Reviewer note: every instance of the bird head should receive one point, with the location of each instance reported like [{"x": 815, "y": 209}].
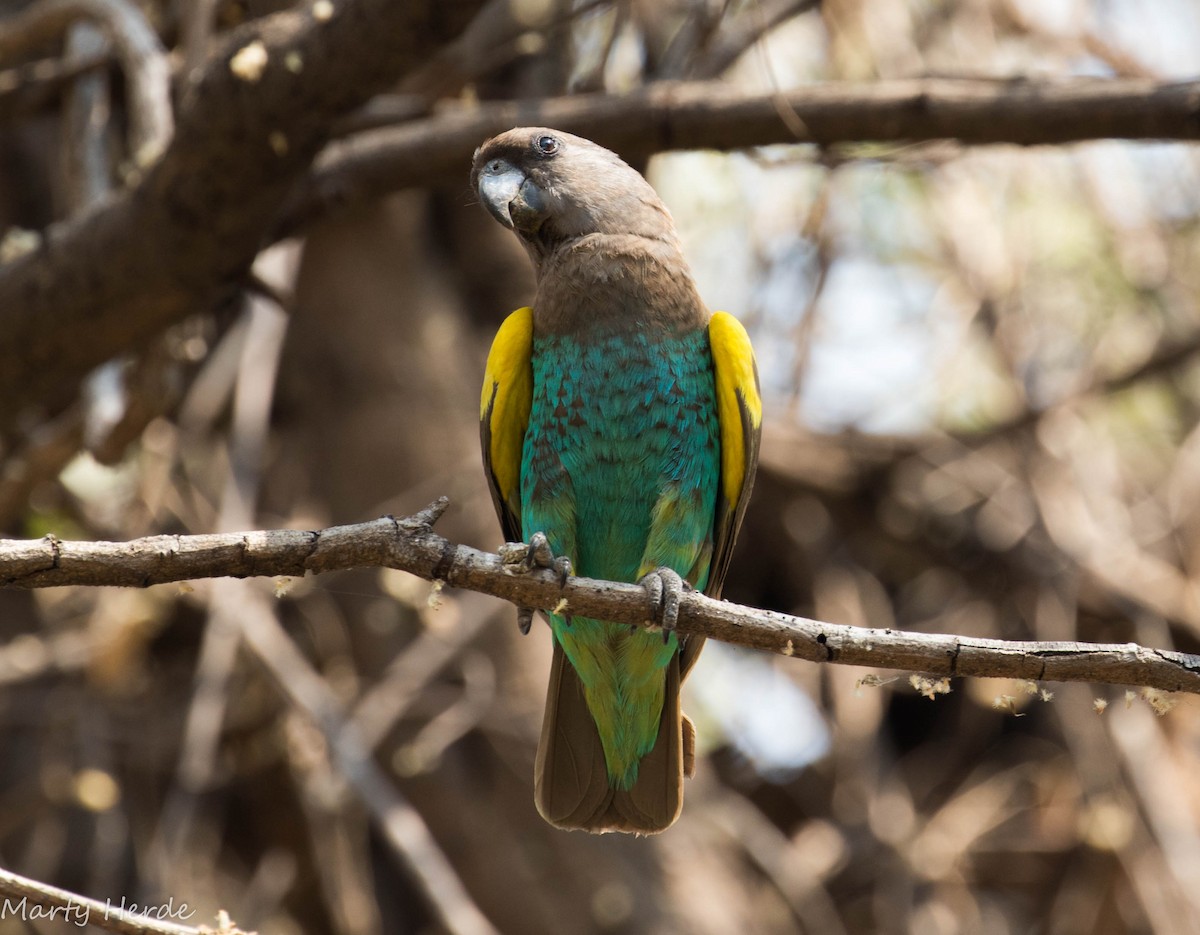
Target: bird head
[{"x": 552, "y": 187}]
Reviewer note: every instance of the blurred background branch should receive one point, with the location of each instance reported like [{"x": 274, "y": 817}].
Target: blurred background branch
[
  {"x": 714, "y": 115},
  {"x": 137, "y": 48}
]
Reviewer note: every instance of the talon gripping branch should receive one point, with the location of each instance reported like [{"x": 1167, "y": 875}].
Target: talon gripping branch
[{"x": 621, "y": 419}]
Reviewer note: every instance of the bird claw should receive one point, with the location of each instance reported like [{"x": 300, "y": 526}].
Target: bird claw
[
  {"x": 664, "y": 588},
  {"x": 524, "y": 557},
  {"x": 524, "y": 619}
]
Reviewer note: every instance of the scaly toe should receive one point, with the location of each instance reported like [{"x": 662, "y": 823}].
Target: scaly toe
[
  {"x": 540, "y": 554},
  {"x": 523, "y": 557},
  {"x": 664, "y": 590}
]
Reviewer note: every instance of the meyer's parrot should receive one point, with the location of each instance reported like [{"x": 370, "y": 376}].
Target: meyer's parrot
[{"x": 621, "y": 419}]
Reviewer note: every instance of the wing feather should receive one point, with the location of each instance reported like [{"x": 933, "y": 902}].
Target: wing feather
[
  {"x": 739, "y": 414},
  {"x": 504, "y": 415}
]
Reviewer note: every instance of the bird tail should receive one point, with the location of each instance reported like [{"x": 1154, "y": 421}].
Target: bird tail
[{"x": 572, "y": 788}]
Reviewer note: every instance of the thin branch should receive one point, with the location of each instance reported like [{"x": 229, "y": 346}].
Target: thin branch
[
  {"x": 411, "y": 545},
  {"x": 31, "y": 900},
  {"x": 28, "y": 88},
  {"x": 400, "y": 823},
  {"x": 494, "y": 39},
  {"x": 247, "y": 129},
  {"x": 87, "y": 169},
  {"x": 142, "y": 56},
  {"x": 196, "y": 30},
  {"x": 736, "y": 37},
  {"x": 381, "y": 706},
  {"x": 715, "y": 115},
  {"x": 42, "y": 455},
  {"x": 1168, "y": 357},
  {"x": 253, "y": 394}
]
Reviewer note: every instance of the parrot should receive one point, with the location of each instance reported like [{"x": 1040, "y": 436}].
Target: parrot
[{"x": 620, "y": 424}]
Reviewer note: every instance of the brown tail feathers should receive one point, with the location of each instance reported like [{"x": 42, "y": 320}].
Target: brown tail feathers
[{"x": 571, "y": 785}]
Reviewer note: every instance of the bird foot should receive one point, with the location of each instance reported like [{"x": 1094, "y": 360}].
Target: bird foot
[
  {"x": 664, "y": 588},
  {"x": 523, "y": 557}
]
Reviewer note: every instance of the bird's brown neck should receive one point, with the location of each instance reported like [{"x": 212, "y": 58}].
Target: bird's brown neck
[{"x": 601, "y": 281}]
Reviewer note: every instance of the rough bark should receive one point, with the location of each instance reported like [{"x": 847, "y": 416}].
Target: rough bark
[{"x": 411, "y": 545}]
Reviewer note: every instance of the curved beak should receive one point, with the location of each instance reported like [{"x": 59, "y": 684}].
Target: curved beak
[{"x": 511, "y": 196}]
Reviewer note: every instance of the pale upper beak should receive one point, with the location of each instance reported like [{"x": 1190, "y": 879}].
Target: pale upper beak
[{"x": 512, "y": 197}]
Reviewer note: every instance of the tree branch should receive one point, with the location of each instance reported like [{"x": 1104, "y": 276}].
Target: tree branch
[
  {"x": 1168, "y": 357},
  {"x": 32, "y": 900},
  {"x": 250, "y": 125},
  {"x": 28, "y": 88},
  {"x": 399, "y": 822},
  {"x": 411, "y": 545},
  {"x": 714, "y": 115},
  {"x": 247, "y": 128},
  {"x": 739, "y": 35},
  {"x": 142, "y": 56}
]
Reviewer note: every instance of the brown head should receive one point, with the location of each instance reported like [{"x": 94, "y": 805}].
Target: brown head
[
  {"x": 601, "y": 240},
  {"x": 551, "y": 187}
]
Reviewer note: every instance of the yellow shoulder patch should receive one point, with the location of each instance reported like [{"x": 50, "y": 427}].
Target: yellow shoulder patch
[
  {"x": 739, "y": 405},
  {"x": 505, "y": 403}
]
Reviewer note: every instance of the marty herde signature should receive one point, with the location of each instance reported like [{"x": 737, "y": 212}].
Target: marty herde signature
[{"x": 80, "y": 913}]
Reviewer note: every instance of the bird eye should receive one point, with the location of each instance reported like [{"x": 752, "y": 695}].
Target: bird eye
[{"x": 546, "y": 145}]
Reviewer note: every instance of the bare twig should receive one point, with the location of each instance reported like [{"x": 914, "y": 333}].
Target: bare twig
[
  {"x": 28, "y": 88},
  {"x": 1087, "y": 41},
  {"x": 495, "y": 37},
  {"x": 142, "y": 57},
  {"x": 196, "y": 30},
  {"x": 40, "y": 456},
  {"x": 32, "y": 900},
  {"x": 409, "y": 674},
  {"x": 240, "y": 614},
  {"x": 770, "y": 849},
  {"x": 743, "y": 32},
  {"x": 411, "y": 545},
  {"x": 259, "y": 361},
  {"x": 86, "y": 166},
  {"x": 1168, "y": 357},
  {"x": 400, "y": 823}
]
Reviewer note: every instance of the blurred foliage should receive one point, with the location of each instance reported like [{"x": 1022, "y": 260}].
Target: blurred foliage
[{"x": 983, "y": 392}]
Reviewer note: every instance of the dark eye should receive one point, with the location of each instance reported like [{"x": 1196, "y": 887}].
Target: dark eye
[{"x": 546, "y": 145}]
